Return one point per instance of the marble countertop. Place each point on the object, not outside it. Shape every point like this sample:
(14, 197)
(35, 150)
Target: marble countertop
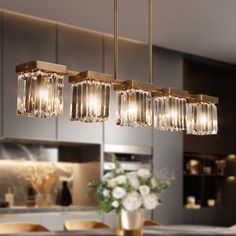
(51, 209)
(181, 230)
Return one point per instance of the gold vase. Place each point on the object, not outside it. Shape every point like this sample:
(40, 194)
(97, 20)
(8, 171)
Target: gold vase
(130, 223)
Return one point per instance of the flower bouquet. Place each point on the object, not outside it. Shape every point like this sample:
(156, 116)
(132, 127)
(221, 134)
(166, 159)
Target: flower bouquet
(129, 194)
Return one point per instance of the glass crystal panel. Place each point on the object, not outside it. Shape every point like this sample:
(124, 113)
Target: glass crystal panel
(201, 119)
(134, 108)
(40, 94)
(90, 101)
(169, 113)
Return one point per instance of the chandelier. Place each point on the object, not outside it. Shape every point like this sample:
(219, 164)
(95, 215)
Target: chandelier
(90, 96)
(40, 89)
(201, 115)
(139, 104)
(170, 109)
(134, 98)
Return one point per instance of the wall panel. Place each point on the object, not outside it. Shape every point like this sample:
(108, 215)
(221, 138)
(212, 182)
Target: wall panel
(80, 51)
(24, 39)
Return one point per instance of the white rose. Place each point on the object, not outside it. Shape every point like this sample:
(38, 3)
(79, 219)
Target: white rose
(132, 201)
(150, 201)
(115, 204)
(111, 183)
(144, 190)
(105, 192)
(133, 180)
(144, 173)
(119, 171)
(107, 176)
(154, 182)
(118, 193)
(121, 179)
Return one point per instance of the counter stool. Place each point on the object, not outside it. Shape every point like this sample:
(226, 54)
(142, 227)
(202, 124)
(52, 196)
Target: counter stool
(150, 223)
(70, 225)
(19, 227)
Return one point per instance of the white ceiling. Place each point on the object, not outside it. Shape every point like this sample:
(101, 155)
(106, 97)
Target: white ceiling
(201, 27)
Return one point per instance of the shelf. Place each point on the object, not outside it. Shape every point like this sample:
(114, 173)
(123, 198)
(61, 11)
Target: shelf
(205, 175)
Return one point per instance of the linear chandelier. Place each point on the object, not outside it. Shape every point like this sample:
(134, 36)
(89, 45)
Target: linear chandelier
(139, 104)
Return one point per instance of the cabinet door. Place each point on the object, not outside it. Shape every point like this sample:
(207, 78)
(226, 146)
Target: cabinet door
(133, 65)
(168, 146)
(80, 51)
(24, 39)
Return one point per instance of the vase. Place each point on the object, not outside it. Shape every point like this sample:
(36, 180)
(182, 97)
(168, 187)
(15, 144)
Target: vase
(43, 199)
(64, 196)
(130, 223)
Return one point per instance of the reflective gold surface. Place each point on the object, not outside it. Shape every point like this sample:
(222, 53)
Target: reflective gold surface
(130, 223)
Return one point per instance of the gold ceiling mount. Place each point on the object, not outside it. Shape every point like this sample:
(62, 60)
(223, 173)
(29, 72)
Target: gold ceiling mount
(37, 65)
(32, 66)
(170, 92)
(203, 98)
(92, 76)
(133, 84)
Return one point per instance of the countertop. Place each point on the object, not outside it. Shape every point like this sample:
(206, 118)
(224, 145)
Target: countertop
(180, 230)
(51, 209)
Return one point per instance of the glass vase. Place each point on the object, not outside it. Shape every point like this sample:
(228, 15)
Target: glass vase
(43, 199)
(130, 223)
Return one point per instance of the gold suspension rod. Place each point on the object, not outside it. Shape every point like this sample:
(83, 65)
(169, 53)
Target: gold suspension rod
(150, 39)
(116, 49)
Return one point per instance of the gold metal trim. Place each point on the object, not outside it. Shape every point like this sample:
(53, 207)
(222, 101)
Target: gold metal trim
(91, 75)
(170, 91)
(150, 40)
(41, 65)
(133, 84)
(116, 40)
(203, 98)
(72, 72)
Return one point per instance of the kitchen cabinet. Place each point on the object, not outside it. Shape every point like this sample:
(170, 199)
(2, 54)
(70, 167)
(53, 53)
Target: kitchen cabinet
(168, 146)
(79, 50)
(219, 81)
(24, 39)
(133, 65)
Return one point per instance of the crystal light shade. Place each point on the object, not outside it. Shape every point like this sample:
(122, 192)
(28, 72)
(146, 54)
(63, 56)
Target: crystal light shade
(90, 101)
(201, 118)
(169, 113)
(134, 108)
(40, 94)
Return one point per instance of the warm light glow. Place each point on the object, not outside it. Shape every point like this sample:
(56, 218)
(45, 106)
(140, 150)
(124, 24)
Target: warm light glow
(201, 119)
(169, 113)
(40, 94)
(90, 101)
(134, 108)
(43, 95)
(231, 157)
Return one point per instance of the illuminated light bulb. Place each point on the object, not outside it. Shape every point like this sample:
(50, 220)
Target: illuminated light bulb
(90, 101)
(201, 118)
(40, 94)
(134, 108)
(169, 113)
